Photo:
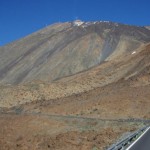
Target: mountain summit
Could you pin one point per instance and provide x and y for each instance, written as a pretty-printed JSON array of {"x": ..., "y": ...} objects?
[
  {"x": 74, "y": 85},
  {"x": 65, "y": 49}
]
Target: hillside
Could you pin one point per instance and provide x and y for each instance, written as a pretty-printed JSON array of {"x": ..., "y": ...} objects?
[
  {"x": 133, "y": 70},
  {"x": 75, "y": 85},
  {"x": 65, "y": 49},
  {"x": 148, "y": 27}
]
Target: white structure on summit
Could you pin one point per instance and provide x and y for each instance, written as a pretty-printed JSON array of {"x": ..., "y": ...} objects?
[{"x": 78, "y": 22}]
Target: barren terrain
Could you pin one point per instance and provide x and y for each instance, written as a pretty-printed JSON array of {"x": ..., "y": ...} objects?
[{"x": 82, "y": 93}]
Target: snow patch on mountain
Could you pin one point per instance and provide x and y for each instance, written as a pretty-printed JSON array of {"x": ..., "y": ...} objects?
[
  {"x": 134, "y": 52},
  {"x": 89, "y": 23}
]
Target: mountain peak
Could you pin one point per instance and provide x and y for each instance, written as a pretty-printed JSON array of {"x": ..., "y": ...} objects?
[
  {"x": 78, "y": 22},
  {"x": 66, "y": 49}
]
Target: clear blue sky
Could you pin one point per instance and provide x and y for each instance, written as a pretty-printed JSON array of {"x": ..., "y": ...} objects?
[{"x": 19, "y": 18}]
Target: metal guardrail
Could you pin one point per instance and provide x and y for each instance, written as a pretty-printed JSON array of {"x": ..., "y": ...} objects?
[{"x": 121, "y": 145}]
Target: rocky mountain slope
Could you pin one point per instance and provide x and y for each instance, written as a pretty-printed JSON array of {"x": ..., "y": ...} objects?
[
  {"x": 133, "y": 71},
  {"x": 148, "y": 27},
  {"x": 66, "y": 49},
  {"x": 75, "y": 85}
]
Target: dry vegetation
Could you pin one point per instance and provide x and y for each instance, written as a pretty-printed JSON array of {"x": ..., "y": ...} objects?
[
  {"x": 86, "y": 111},
  {"x": 37, "y": 132}
]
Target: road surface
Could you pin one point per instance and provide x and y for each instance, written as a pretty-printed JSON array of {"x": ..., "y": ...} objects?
[{"x": 142, "y": 143}]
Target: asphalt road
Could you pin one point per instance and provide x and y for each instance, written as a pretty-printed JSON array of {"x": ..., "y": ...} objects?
[{"x": 142, "y": 143}]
